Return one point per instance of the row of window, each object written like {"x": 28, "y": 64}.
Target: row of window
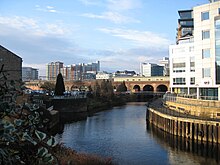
{"x": 182, "y": 81}
{"x": 206, "y": 72}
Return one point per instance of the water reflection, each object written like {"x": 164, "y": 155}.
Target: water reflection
{"x": 185, "y": 151}
{"x": 121, "y": 134}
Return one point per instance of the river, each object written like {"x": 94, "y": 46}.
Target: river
{"x": 121, "y": 133}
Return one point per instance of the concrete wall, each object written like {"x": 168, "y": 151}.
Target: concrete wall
{"x": 194, "y": 129}
{"x": 70, "y": 109}
{"x": 202, "y": 108}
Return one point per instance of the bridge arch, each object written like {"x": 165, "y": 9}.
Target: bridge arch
{"x": 161, "y": 88}
{"x": 148, "y": 88}
{"x": 137, "y": 88}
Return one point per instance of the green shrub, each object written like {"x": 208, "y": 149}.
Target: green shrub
{"x": 23, "y": 139}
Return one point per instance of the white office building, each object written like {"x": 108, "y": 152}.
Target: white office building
{"x": 165, "y": 62}
{"x": 103, "y": 76}
{"x": 150, "y": 69}
{"x": 195, "y": 59}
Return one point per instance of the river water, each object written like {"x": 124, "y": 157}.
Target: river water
{"x": 122, "y": 134}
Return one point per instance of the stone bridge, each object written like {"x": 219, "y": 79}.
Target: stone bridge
{"x": 153, "y": 84}
{"x": 133, "y": 84}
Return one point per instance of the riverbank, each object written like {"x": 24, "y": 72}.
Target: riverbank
{"x": 183, "y": 124}
{"x": 67, "y": 156}
{"x": 95, "y": 105}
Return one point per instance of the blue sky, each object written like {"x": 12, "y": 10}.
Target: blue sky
{"x": 118, "y": 33}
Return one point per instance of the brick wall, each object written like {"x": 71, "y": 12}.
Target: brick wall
{"x": 12, "y": 64}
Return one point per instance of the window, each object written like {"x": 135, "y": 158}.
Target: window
{"x": 192, "y": 80}
{"x": 205, "y": 34}
{"x": 178, "y": 70}
{"x": 206, "y": 72}
{"x": 179, "y": 65}
{"x": 179, "y": 81}
{"x": 204, "y": 15}
{"x": 206, "y": 53}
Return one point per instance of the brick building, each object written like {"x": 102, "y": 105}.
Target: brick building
{"x": 12, "y": 64}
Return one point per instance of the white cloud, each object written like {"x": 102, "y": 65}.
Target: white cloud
{"x": 112, "y": 16}
{"x": 140, "y": 38}
{"x": 34, "y": 27}
{"x": 49, "y": 9}
{"x": 123, "y": 4}
{"x": 90, "y": 2}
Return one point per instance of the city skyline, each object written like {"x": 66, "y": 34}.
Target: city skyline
{"x": 119, "y": 33}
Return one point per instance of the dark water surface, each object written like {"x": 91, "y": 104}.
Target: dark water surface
{"x": 121, "y": 133}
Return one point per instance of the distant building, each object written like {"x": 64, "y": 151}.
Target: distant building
{"x": 29, "y": 73}
{"x": 124, "y": 73}
{"x": 165, "y": 63}
{"x": 53, "y": 69}
{"x": 103, "y": 76}
{"x": 149, "y": 69}
{"x": 86, "y": 71}
{"x": 67, "y": 72}
{"x": 12, "y": 64}
{"x": 75, "y": 72}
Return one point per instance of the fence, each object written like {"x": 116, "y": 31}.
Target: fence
{"x": 202, "y": 109}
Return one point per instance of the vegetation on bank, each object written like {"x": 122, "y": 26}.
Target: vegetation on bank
{"x": 101, "y": 97}
{"x": 67, "y": 156}
{"x": 23, "y": 137}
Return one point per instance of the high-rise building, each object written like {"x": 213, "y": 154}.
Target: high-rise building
{"x": 149, "y": 69}
{"x": 53, "y": 69}
{"x": 195, "y": 59}
{"x": 67, "y": 72}
{"x": 29, "y": 73}
{"x": 75, "y": 72}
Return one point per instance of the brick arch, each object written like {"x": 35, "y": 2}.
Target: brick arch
{"x": 148, "y": 88}
{"x": 161, "y": 88}
{"x": 136, "y": 88}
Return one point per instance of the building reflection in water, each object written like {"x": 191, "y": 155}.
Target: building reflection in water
{"x": 192, "y": 152}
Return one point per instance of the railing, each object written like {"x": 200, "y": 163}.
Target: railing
{"x": 160, "y": 106}
{"x": 193, "y": 96}
{"x": 187, "y": 100}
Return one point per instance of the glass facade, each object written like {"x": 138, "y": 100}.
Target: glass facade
{"x": 209, "y": 93}
{"x": 186, "y": 23}
{"x": 217, "y": 50}
{"x": 185, "y": 14}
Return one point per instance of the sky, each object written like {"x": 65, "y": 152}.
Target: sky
{"x": 119, "y": 33}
